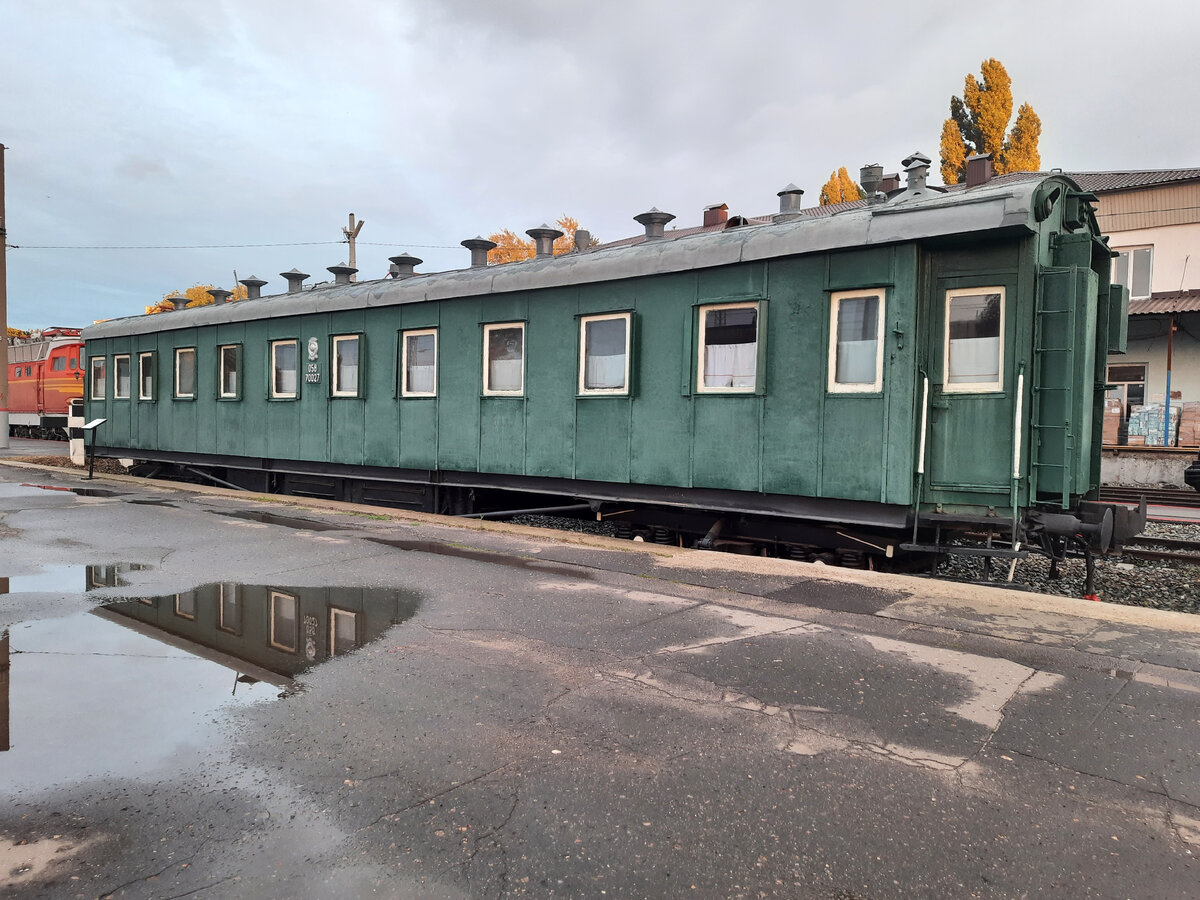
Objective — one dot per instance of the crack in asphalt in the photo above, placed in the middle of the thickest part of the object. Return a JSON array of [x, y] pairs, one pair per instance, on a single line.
[[435, 796], [171, 865]]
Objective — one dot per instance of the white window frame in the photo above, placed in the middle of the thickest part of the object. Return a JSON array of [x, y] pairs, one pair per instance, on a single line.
[[334, 613], [295, 637], [101, 363], [973, 387], [179, 610], [704, 310], [117, 395], [603, 392], [236, 393], [855, 387], [181, 352], [404, 336], [337, 388], [1128, 252], [145, 360], [272, 392], [487, 331], [229, 590]]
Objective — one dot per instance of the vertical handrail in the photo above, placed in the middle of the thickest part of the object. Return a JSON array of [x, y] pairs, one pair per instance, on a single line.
[[921, 454]]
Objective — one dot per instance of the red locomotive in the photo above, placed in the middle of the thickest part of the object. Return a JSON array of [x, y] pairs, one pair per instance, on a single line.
[[45, 372]]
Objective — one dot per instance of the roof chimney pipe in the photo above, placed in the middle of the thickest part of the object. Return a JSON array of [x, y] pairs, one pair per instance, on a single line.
[[543, 239], [178, 301], [790, 199], [341, 273], [295, 279], [870, 177], [654, 221], [254, 286], [403, 265], [583, 240], [479, 247], [979, 169], [717, 214], [219, 295]]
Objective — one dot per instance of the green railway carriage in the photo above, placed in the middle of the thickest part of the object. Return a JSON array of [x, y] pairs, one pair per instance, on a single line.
[[933, 358]]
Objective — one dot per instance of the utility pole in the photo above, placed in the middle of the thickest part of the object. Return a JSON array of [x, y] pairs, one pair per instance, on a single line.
[[351, 234], [3, 313]]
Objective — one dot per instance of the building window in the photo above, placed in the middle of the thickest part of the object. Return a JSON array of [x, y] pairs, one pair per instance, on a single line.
[[974, 339], [185, 373], [1132, 268], [283, 370], [96, 381], [855, 350], [419, 363], [343, 631], [229, 610], [230, 375], [345, 365], [504, 359], [604, 354], [285, 621], [121, 377], [146, 376], [728, 354], [185, 605]]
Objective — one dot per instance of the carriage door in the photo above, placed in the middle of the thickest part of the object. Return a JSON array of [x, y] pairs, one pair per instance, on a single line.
[[970, 436], [40, 370]]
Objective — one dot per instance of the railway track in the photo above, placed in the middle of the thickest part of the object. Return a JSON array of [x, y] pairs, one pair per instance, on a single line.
[[1158, 496], [1163, 549]]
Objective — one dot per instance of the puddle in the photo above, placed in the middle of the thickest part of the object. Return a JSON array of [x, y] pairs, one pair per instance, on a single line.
[[126, 689], [69, 579], [164, 503], [81, 491], [283, 521], [497, 559]]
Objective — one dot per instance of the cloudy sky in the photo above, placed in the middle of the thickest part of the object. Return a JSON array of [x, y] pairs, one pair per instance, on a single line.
[[193, 123]]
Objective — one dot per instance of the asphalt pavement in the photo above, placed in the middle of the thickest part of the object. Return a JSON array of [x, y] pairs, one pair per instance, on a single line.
[[224, 695]]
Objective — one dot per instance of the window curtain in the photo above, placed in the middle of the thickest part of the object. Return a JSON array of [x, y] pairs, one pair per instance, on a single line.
[[730, 365]]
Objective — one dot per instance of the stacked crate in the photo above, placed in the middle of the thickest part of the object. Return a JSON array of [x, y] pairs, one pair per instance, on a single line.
[[1112, 421], [1147, 424], [1189, 424]]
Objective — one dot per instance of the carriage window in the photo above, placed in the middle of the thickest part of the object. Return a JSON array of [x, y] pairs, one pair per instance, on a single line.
[[855, 350], [73, 364], [343, 631], [185, 373], [96, 381], [229, 615], [419, 363], [185, 605], [283, 370], [145, 376], [345, 366], [974, 339], [604, 354], [230, 387], [728, 348], [285, 621], [121, 377], [59, 364], [504, 363]]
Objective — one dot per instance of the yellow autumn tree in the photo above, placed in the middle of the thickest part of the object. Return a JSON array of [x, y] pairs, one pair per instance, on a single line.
[[511, 247], [979, 122], [17, 332], [197, 295], [841, 188]]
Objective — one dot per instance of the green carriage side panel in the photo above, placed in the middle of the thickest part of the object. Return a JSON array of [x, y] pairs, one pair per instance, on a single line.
[[119, 412], [602, 437], [726, 449], [254, 403], [206, 390], [460, 370], [660, 436], [346, 416], [145, 412], [902, 383], [551, 347], [381, 406], [283, 417], [502, 435], [853, 441], [730, 283], [413, 426], [177, 419], [229, 416], [791, 447]]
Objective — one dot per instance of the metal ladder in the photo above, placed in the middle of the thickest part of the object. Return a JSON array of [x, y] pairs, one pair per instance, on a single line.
[[1050, 352]]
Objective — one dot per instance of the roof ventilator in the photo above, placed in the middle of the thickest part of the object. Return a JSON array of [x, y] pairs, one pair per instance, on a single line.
[[295, 279], [403, 265], [790, 199], [220, 295], [583, 240], [871, 177], [543, 239], [254, 286], [916, 167], [479, 247], [341, 273], [654, 222], [178, 301]]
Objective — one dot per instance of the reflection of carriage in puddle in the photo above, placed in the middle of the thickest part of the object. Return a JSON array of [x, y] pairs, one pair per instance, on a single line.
[[266, 633]]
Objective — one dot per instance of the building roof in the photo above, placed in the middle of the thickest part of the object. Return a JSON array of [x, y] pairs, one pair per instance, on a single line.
[[1125, 181], [1164, 302]]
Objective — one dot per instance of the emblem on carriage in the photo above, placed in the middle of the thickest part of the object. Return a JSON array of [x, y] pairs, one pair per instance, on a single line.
[[314, 349]]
